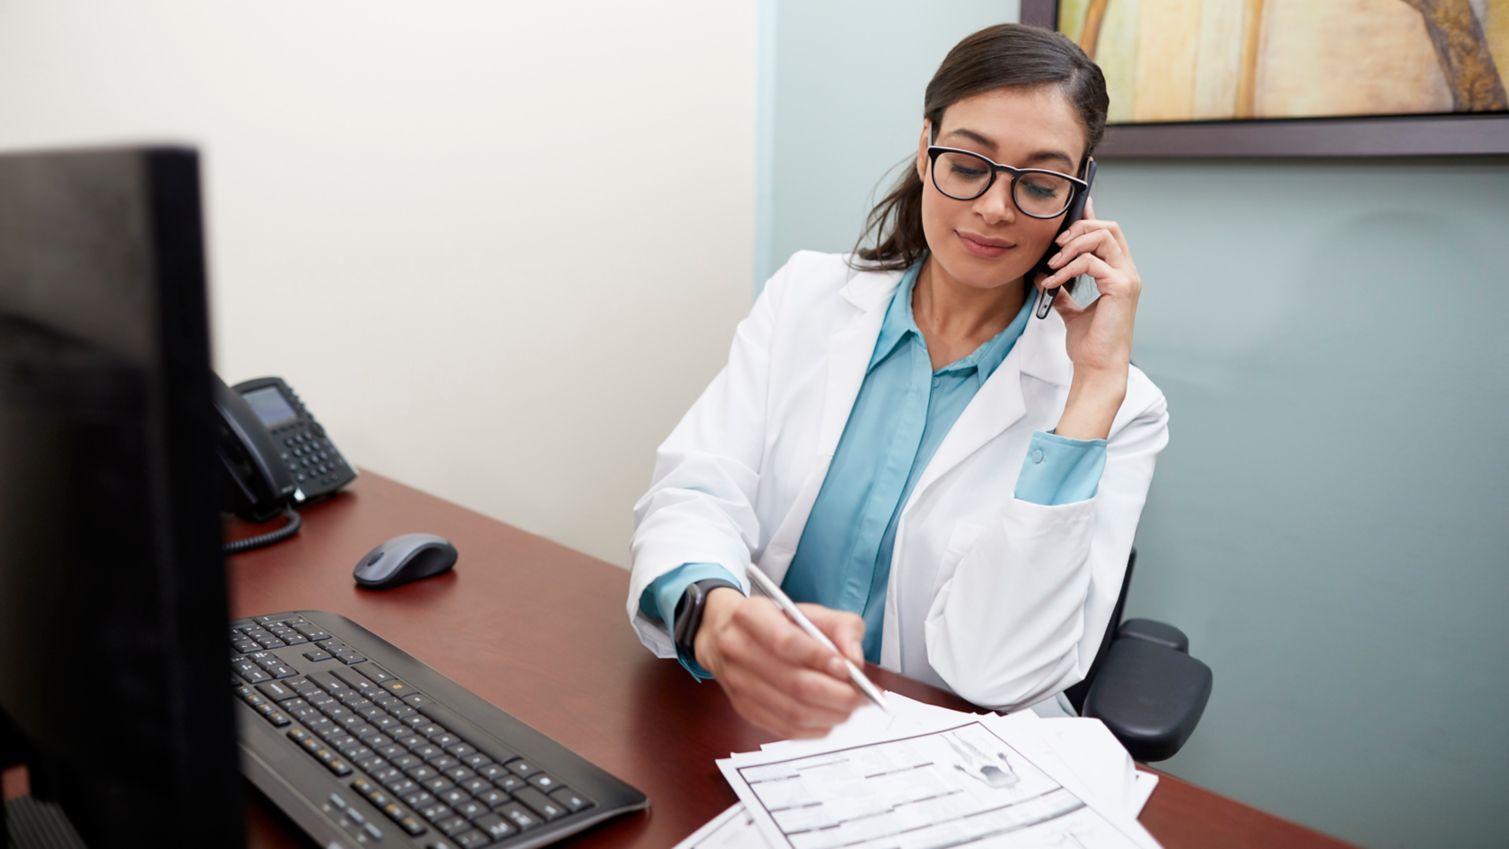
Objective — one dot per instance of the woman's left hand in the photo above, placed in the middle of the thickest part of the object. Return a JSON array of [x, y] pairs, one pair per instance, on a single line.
[[1099, 337]]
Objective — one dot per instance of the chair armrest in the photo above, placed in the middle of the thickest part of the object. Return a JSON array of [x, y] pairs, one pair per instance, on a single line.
[[1150, 696], [1150, 631]]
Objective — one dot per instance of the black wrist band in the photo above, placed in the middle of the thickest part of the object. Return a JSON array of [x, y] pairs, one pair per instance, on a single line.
[[688, 614]]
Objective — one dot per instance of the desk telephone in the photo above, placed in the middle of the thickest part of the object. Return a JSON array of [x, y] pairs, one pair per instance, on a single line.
[[274, 455]]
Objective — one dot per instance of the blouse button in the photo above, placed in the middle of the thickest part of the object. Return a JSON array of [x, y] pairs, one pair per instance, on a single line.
[[1037, 455]]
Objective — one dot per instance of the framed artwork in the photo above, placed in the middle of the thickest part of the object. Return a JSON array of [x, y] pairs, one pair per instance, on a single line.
[[1295, 77]]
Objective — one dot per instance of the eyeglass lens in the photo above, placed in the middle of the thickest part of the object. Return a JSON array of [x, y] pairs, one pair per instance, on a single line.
[[964, 176]]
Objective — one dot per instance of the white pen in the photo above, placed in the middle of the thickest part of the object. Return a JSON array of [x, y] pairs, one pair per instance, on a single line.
[[769, 588]]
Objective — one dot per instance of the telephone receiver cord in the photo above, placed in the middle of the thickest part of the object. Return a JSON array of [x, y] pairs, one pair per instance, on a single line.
[[289, 528]]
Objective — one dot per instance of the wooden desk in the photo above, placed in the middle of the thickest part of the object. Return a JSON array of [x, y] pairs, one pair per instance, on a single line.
[[540, 631]]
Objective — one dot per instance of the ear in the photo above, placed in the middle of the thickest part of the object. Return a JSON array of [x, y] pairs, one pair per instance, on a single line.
[[922, 143]]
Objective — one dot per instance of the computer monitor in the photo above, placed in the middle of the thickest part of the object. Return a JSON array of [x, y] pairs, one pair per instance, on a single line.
[[113, 679]]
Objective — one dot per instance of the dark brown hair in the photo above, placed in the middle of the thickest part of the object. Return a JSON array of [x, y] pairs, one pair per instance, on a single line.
[[1005, 55]]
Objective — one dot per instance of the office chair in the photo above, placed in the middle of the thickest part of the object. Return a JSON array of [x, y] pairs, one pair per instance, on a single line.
[[1143, 684]]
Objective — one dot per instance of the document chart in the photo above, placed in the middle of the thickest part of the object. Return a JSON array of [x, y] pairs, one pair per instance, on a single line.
[[960, 786]]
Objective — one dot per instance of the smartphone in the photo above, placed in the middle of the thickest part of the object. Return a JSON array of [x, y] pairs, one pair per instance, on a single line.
[[1075, 212]]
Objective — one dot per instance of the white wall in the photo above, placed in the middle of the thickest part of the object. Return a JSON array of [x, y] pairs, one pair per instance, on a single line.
[[498, 247]]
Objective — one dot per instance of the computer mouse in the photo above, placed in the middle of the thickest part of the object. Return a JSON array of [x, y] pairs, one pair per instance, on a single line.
[[404, 558]]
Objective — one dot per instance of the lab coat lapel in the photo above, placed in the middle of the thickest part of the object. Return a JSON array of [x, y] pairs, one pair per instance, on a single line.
[[849, 354], [1000, 402], [848, 357]]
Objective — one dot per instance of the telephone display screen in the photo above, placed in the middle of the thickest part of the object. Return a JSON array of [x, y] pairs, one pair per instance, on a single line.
[[270, 406]]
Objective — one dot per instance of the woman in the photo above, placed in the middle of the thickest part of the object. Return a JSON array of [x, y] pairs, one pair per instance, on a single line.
[[951, 485]]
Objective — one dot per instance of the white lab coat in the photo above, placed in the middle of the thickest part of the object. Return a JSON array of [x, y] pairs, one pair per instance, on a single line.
[[999, 600]]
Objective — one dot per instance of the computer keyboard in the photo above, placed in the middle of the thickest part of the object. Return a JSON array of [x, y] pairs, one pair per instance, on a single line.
[[363, 745]]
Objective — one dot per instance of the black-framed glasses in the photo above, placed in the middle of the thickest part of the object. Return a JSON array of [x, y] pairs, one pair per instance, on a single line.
[[1037, 192]]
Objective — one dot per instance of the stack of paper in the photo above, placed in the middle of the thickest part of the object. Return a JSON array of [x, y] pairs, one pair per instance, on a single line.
[[924, 776]]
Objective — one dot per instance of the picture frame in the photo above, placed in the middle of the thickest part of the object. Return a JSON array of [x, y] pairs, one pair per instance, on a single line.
[[1485, 134]]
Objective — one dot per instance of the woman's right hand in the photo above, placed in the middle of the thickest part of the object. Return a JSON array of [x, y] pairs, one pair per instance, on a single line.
[[777, 676]]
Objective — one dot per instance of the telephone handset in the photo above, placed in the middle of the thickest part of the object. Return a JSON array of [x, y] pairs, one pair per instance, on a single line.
[[1075, 212], [274, 455]]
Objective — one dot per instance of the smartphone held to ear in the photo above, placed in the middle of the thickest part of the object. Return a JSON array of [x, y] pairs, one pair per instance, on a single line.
[[1075, 212]]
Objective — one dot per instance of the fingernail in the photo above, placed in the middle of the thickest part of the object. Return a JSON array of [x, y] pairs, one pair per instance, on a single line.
[[1057, 258]]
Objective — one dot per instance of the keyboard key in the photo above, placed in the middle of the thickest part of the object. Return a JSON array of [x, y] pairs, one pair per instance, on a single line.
[[473, 839], [477, 786], [510, 783], [459, 774], [494, 798], [418, 701], [311, 632], [422, 773], [495, 826], [471, 809], [339, 767], [376, 673], [452, 826], [541, 804], [372, 831], [280, 670], [382, 775], [317, 655], [279, 719], [573, 800], [543, 781], [276, 691], [454, 796], [435, 811], [411, 826], [522, 818], [300, 709], [522, 768], [402, 787], [355, 681], [418, 799]]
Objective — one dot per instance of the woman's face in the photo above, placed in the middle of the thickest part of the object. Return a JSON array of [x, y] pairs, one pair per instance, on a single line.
[[987, 243]]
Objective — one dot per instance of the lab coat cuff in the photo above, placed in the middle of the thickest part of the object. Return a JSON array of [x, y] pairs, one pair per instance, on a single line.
[[659, 600]]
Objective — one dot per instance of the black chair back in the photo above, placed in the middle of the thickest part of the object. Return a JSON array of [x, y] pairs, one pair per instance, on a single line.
[[1077, 693]]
